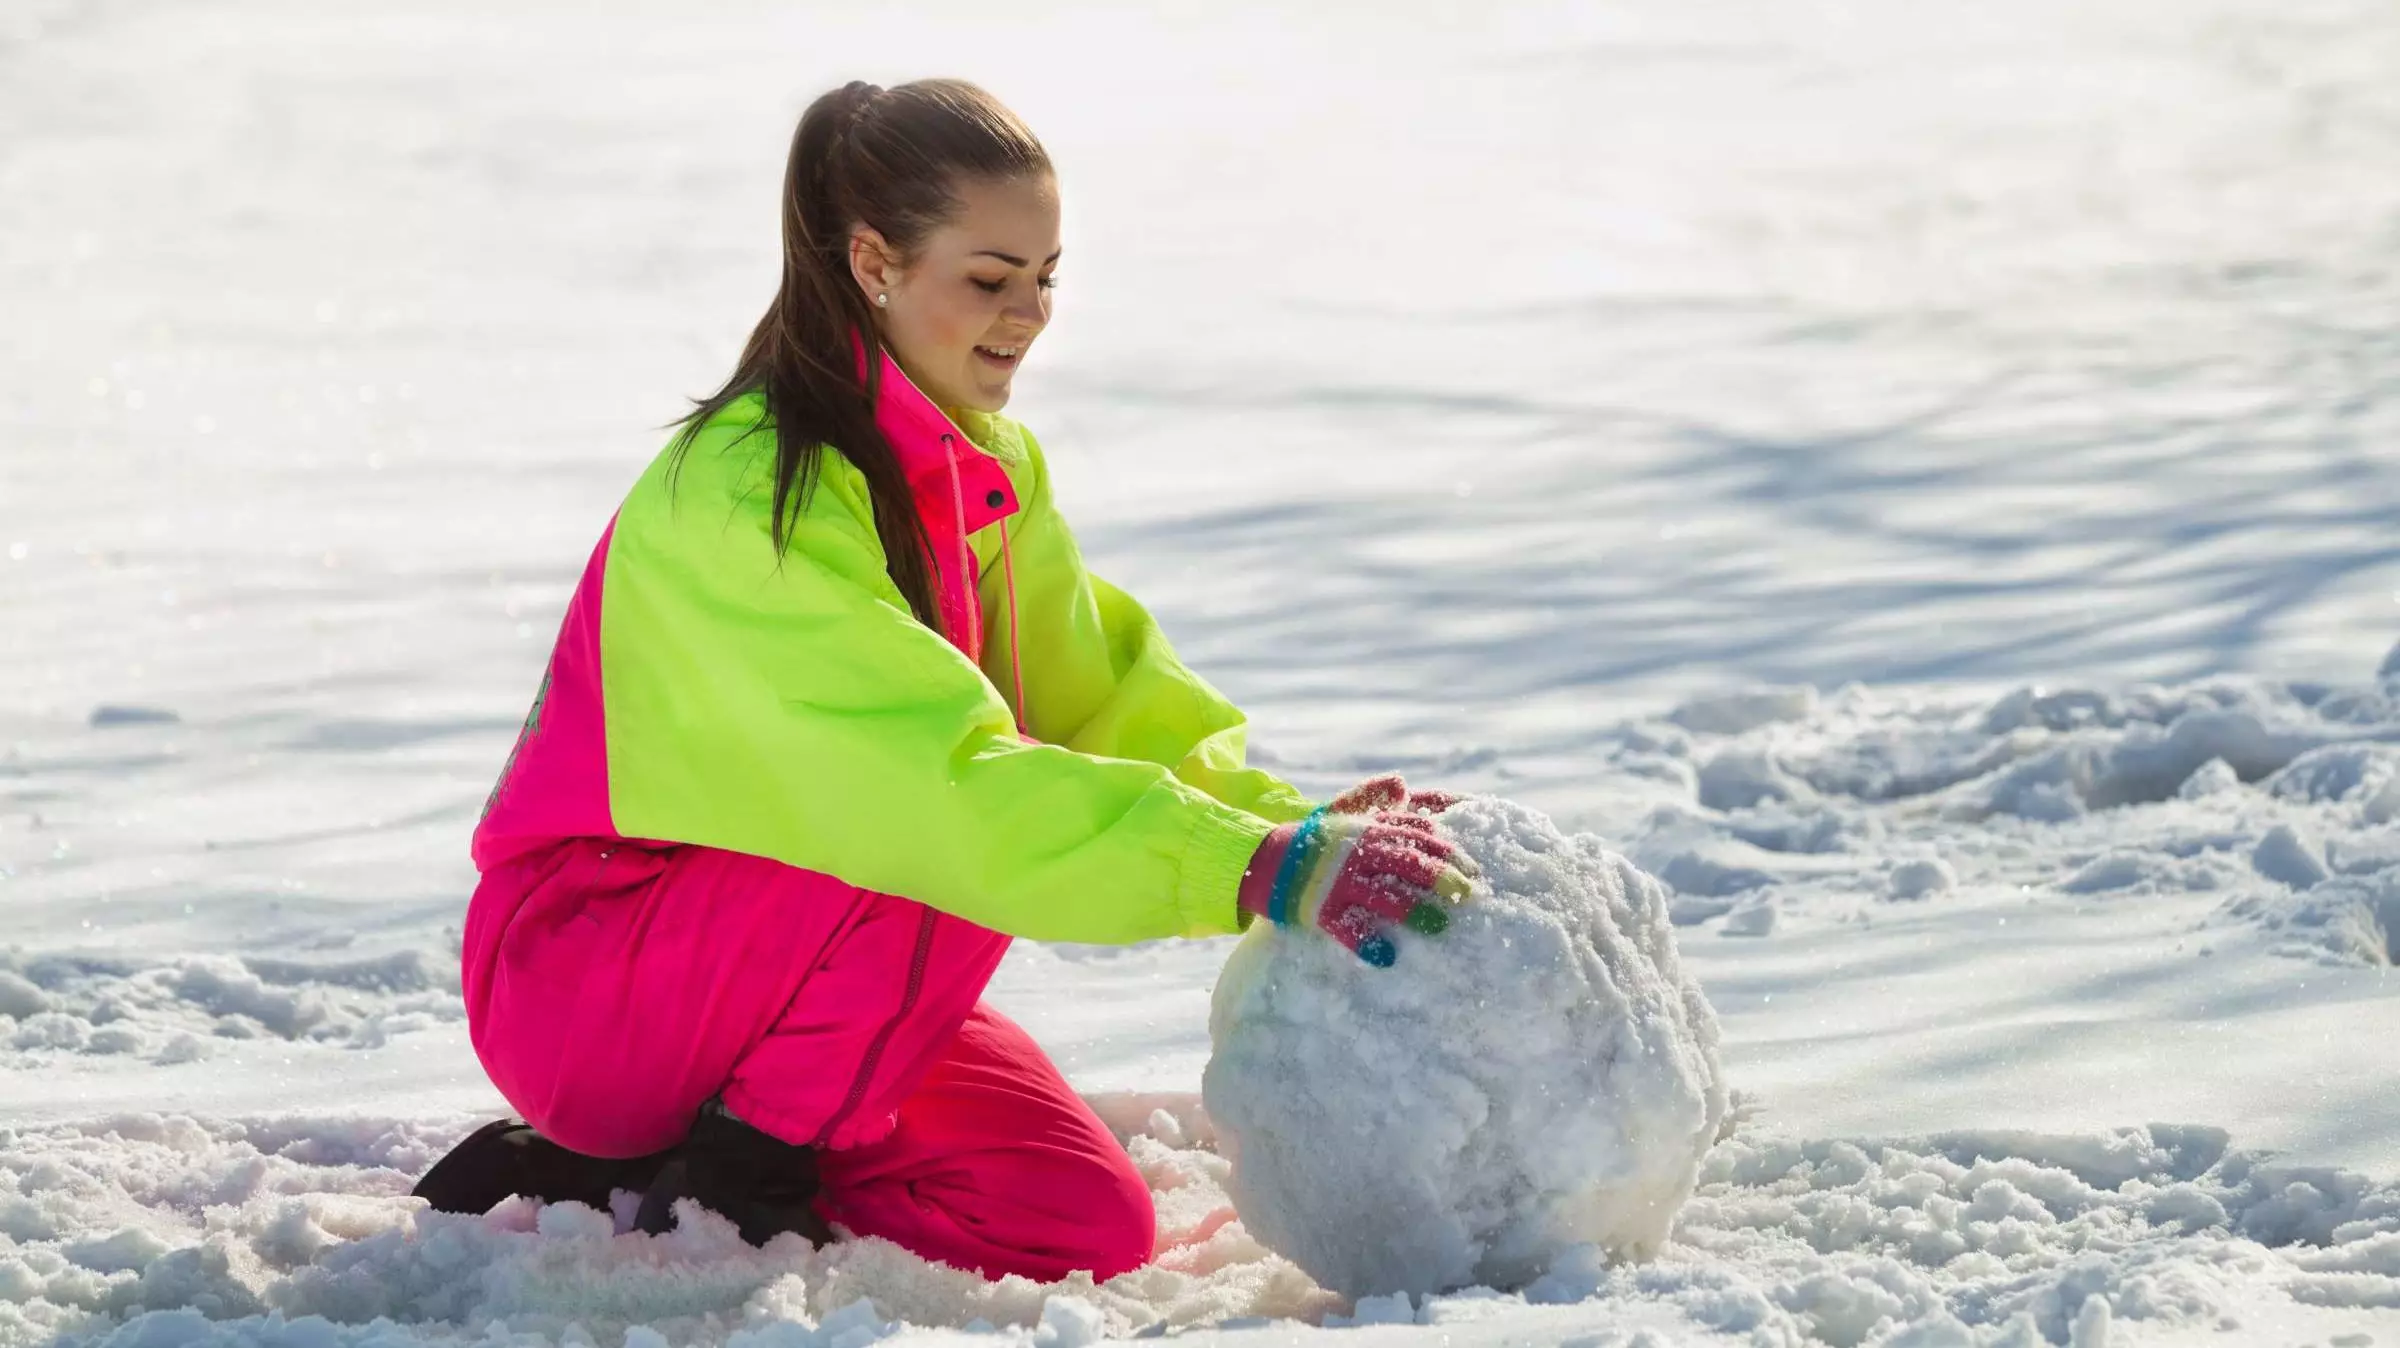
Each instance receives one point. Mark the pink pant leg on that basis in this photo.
(861, 1031)
(614, 987)
(996, 1166)
(611, 987)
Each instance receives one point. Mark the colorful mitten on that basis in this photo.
(1357, 876)
(1390, 792)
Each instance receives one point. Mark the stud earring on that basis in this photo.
(883, 299)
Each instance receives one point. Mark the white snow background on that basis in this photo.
(1923, 478)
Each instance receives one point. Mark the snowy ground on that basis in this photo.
(1492, 392)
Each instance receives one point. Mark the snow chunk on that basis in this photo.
(19, 997)
(126, 1250)
(2363, 855)
(1394, 1309)
(51, 1029)
(2146, 871)
(1070, 1322)
(2384, 806)
(2283, 857)
(1704, 873)
(1754, 917)
(574, 1221)
(2091, 1324)
(2338, 772)
(2212, 778)
(1543, 1075)
(1922, 879)
(1738, 779)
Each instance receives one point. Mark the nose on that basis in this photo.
(1029, 311)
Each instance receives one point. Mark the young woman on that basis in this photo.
(835, 712)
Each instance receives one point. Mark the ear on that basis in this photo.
(873, 263)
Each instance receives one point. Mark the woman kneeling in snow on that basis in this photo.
(772, 822)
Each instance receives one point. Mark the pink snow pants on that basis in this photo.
(614, 987)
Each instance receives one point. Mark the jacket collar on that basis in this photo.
(931, 442)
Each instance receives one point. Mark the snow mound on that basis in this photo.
(177, 1010)
(2350, 919)
(168, 1231)
(2265, 805)
(1542, 1076)
(2051, 755)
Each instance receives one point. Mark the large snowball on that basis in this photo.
(1542, 1075)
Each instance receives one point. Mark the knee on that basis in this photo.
(1120, 1224)
(1055, 1214)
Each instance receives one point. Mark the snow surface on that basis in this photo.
(1919, 477)
(1542, 1076)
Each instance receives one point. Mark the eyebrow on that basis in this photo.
(1011, 258)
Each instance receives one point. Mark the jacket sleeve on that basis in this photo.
(797, 711)
(1101, 678)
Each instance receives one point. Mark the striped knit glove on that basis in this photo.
(1357, 876)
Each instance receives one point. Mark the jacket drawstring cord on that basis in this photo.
(1016, 645)
(966, 568)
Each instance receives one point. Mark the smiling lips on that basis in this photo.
(1005, 357)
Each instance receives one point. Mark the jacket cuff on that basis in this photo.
(1223, 841)
(1284, 805)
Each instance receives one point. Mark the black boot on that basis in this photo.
(764, 1186)
(508, 1157)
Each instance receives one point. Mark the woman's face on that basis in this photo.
(964, 312)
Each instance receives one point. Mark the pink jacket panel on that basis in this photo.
(555, 784)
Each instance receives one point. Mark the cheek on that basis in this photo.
(954, 323)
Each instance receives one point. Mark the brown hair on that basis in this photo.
(889, 159)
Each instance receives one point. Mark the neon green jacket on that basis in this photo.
(704, 691)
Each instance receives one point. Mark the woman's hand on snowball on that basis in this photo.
(1356, 876)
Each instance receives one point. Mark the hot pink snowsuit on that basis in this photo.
(613, 987)
(615, 979)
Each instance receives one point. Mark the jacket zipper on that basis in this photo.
(883, 1037)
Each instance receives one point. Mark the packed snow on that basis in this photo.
(152, 1230)
(1543, 1075)
(2279, 797)
(1917, 478)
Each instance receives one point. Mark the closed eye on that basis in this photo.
(1049, 282)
